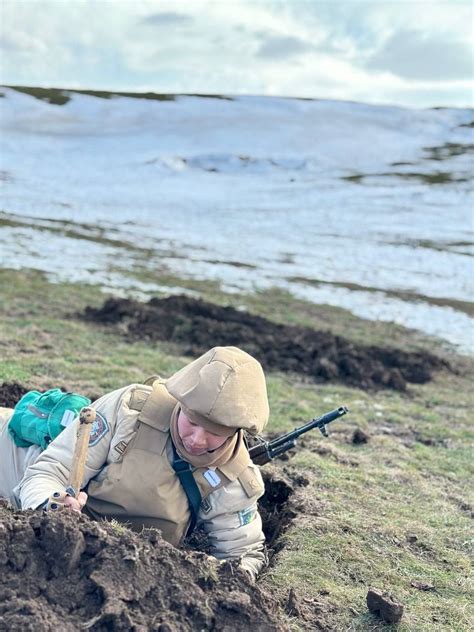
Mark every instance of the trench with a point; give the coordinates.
(277, 510)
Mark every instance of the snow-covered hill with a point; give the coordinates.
(367, 207)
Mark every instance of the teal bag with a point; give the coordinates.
(39, 417)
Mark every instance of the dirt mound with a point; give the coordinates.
(198, 326)
(11, 393)
(40, 552)
(65, 572)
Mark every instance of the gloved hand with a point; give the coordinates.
(61, 501)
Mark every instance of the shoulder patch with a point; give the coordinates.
(246, 516)
(138, 398)
(251, 483)
(99, 429)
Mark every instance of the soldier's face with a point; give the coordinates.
(196, 439)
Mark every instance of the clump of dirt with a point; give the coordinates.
(62, 571)
(312, 611)
(11, 393)
(359, 436)
(198, 325)
(384, 605)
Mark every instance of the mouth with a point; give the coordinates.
(194, 451)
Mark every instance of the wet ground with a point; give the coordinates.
(197, 326)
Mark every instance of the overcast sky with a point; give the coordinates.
(408, 52)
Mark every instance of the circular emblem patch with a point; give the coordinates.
(99, 429)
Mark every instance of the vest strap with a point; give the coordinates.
(186, 478)
(151, 380)
(157, 408)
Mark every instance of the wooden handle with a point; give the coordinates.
(86, 419)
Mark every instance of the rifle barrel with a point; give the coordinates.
(317, 422)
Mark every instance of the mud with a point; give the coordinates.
(11, 393)
(197, 326)
(65, 572)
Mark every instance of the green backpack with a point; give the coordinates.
(39, 417)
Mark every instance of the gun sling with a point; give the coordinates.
(186, 478)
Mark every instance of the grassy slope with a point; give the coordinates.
(372, 499)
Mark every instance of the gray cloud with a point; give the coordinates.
(8, 44)
(21, 44)
(166, 19)
(413, 55)
(281, 47)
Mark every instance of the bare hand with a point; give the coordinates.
(75, 504)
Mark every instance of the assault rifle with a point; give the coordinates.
(264, 451)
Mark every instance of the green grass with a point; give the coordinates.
(60, 96)
(383, 514)
(372, 497)
(438, 177)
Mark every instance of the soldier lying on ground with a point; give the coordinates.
(198, 415)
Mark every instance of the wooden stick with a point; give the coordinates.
(86, 419)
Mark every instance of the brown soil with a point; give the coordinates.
(383, 605)
(65, 572)
(62, 572)
(197, 326)
(11, 393)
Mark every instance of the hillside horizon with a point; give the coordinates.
(56, 96)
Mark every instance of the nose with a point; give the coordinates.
(199, 439)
